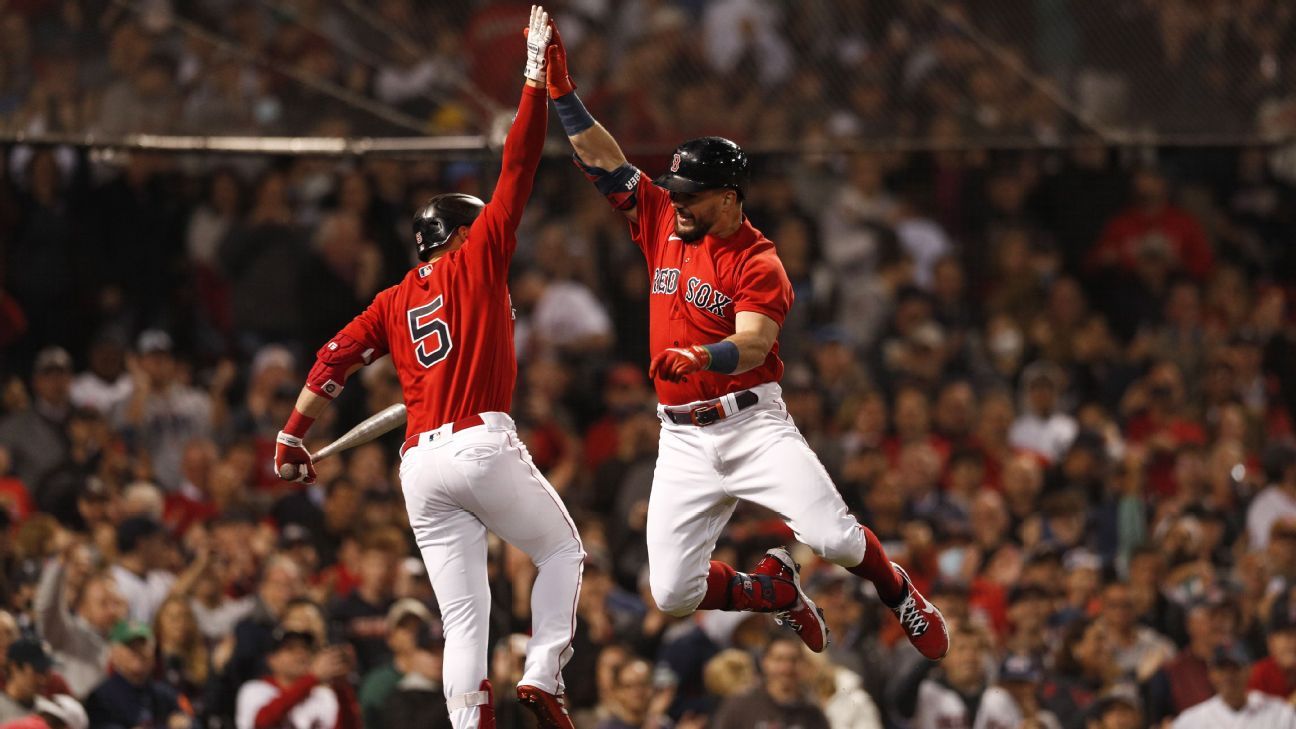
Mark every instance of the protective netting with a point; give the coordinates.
(780, 75)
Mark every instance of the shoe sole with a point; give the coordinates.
(785, 558)
(943, 625)
(537, 709)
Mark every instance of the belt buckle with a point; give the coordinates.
(704, 415)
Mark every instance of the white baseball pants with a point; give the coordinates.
(757, 455)
(456, 487)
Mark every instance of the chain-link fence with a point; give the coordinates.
(779, 75)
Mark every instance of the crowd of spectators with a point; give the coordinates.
(775, 73)
(1058, 385)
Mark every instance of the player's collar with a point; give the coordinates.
(740, 238)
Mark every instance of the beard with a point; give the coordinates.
(694, 233)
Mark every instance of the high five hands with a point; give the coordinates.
(546, 55)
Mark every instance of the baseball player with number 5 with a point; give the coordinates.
(718, 297)
(448, 326)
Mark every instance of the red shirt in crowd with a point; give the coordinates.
(1266, 676)
(1129, 233)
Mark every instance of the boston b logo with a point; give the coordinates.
(675, 163)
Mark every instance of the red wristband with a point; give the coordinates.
(298, 424)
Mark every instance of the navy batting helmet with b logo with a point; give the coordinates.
(440, 218)
(706, 163)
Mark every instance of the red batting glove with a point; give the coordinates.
(290, 452)
(672, 364)
(558, 80)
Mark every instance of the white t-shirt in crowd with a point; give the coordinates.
(319, 710)
(1261, 711)
(999, 710)
(143, 595)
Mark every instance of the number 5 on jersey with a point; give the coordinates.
(421, 328)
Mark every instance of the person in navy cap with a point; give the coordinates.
(28, 669)
(1014, 699)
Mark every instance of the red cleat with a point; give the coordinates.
(804, 616)
(921, 620)
(550, 711)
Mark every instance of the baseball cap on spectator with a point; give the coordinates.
(272, 355)
(134, 530)
(1117, 697)
(294, 535)
(1282, 615)
(1021, 668)
(29, 652)
(63, 709)
(1081, 559)
(1230, 655)
(153, 340)
(52, 358)
(129, 631)
(407, 607)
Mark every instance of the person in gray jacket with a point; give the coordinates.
(78, 634)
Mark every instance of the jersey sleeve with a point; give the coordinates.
(495, 230)
(653, 206)
(369, 328)
(763, 287)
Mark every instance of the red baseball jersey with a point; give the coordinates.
(449, 324)
(697, 289)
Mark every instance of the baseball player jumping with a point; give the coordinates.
(448, 326)
(718, 298)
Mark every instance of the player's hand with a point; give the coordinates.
(673, 364)
(537, 39)
(559, 80)
(289, 451)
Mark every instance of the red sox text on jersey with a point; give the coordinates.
(698, 289)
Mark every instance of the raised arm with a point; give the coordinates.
(597, 153)
(525, 140)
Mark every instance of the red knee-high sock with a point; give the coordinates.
(876, 568)
(718, 594)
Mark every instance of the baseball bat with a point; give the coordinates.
(379, 424)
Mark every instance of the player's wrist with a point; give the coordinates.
(573, 115)
(297, 425)
(722, 356)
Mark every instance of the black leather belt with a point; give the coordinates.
(712, 411)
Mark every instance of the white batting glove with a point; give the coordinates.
(537, 38)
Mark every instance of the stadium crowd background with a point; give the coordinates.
(1057, 384)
